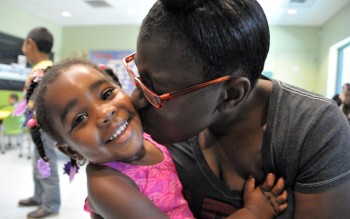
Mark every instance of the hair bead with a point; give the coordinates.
(31, 123)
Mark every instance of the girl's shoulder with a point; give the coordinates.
(106, 185)
(112, 194)
(103, 174)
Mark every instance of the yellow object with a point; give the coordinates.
(43, 64)
(5, 112)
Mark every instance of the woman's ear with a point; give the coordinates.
(236, 90)
(67, 150)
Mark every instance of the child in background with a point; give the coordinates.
(92, 118)
(13, 100)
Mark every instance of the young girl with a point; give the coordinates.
(129, 175)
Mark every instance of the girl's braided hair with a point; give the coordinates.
(41, 110)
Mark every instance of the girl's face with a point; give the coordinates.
(94, 116)
(179, 118)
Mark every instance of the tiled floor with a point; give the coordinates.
(16, 183)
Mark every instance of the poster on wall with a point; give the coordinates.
(113, 59)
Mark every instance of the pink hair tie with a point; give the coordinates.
(31, 123)
(102, 66)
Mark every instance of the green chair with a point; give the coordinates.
(11, 126)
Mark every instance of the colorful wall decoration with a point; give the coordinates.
(113, 59)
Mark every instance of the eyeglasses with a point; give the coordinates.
(157, 100)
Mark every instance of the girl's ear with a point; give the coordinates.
(236, 90)
(67, 150)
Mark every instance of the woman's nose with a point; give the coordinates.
(105, 115)
(138, 99)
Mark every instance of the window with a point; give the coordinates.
(343, 67)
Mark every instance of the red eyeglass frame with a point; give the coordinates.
(159, 99)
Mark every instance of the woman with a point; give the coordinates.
(200, 83)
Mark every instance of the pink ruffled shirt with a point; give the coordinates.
(159, 183)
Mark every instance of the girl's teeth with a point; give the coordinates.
(120, 130)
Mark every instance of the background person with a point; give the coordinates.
(37, 48)
(13, 100)
(345, 106)
(339, 98)
(201, 62)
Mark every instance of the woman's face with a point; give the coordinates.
(94, 116)
(165, 71)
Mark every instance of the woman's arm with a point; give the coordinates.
(333, 203)
(113, 195)
(322, 188)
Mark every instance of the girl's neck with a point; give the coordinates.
(148, 155)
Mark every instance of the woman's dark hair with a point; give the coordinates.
(225, 37)
(43, 39)
(42, 114)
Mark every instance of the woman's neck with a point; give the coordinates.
(233, 150)
(249, 115)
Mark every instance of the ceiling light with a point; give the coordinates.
(66, 14)
(131, 11)
(292, 11)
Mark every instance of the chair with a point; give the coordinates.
(11, 126)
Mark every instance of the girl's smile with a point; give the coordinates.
(120, 131)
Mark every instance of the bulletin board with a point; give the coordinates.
(113, 60)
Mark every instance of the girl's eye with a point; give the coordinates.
(109, 93)
(79, 119)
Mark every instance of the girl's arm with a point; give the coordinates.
(113, 195)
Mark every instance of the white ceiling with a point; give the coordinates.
(310, 12)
